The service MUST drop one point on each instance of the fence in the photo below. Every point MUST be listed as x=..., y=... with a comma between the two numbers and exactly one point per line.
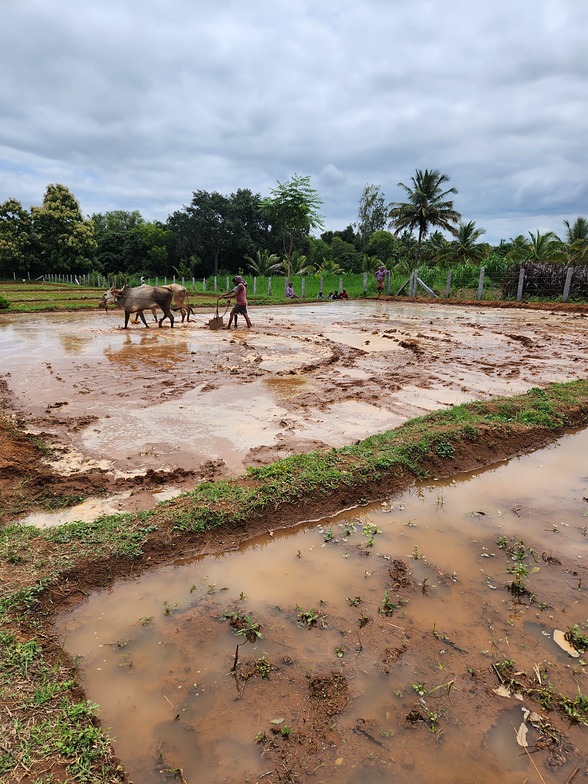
x=467, y=281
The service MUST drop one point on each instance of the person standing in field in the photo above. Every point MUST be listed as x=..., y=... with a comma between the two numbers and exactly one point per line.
x=381, y=273
x=240, y=306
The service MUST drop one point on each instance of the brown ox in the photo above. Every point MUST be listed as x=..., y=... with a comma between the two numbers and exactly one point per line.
x=179, y=301
x=136, y=300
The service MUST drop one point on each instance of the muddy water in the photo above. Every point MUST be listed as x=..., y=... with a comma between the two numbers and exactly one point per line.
x=304, y=377
x=156, y=654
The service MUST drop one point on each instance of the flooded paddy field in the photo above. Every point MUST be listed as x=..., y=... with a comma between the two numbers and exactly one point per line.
x=145, y=411
x=386, y=643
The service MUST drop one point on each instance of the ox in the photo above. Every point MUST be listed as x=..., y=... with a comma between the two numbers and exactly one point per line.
x=136, y=300
x=179, y=301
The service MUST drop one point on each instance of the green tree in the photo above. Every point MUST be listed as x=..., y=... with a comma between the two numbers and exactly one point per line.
x=383, y=245
x=292, y=211
x=427, y=207
x=544, y=247
x=15, y=239
x=577, y=241
x=371, y=213
x=264, y=263
x=63, y=241
x=299, y=265
x=466, y=247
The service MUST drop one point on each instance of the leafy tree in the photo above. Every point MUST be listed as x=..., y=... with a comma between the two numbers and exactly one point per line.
x=15, y=239
x=318, y=250
x=292, y=211
x=299, y=265
x=427, y=206
x=264, y=263
x=466, y=247
x=576, y=231
x=329, y=267
x=544, y=247
x=63, y=241
x=516, y=250
x=372, y=214
x=383, y=245
x=345, y=254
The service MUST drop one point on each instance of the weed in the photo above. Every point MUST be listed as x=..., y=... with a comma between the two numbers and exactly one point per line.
x=387, y=607
x=339, y=651
x=445, y=450
x=420, y=687
x=416, y=554
x=353, y=601
x=264, y=666
x=286, y=731
x=329, y=535
x=363, y=620
x=260, y=737
x=576, y=639
x=307, y=618
x=145, y=620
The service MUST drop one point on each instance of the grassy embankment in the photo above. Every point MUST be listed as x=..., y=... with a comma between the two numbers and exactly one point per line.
x=48, y=729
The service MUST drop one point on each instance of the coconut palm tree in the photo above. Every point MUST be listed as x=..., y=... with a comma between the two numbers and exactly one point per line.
x=297, y=264
x=329, y=267
x=466, y=246
x=544, y=247
x=427, y=206
x=576, y=231
x=264, y=263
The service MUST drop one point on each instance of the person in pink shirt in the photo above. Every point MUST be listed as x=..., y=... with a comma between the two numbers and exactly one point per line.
x=240, y=306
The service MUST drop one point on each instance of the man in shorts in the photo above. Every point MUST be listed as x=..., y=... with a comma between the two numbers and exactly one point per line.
x=240, y=306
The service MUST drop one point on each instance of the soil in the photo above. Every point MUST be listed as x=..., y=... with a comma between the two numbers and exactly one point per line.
x=28, y=481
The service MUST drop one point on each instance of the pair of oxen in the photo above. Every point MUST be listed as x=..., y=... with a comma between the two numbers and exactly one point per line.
x=140, y=298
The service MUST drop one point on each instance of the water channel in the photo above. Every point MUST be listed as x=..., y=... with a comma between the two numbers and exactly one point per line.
x=156, y=653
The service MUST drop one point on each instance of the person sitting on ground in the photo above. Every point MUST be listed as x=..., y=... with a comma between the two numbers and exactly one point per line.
x=240, y=306
x=290, y=291
x=320, y=295
x=330, y=295
x=344, y=294
x=336, y=295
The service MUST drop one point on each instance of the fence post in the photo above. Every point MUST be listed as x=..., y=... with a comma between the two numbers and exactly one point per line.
x=227, y=283
x=387, y=284
x=322, y=285
x=412, y=289
x=193, y=283
x=521, y=284
x=448, y=284
x=364, y=283
x=254, y=286
x=481, y=282
x=203, y=284
x=567, y=284
x=303, y=287
x=215, y=284
x=340, y=284
x=269, y=287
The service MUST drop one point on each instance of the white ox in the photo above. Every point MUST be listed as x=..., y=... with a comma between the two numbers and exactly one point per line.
x=139, y=299
x=179, y=300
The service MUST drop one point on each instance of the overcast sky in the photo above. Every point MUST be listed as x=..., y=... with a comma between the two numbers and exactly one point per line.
x=135, y=104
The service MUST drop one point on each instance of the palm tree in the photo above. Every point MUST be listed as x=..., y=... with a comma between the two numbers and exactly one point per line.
x=427, y=206
x=544, y=247
x=298, y=264
x=577, y=231
x=329, y=267
x=465, y=247
x=264, y=263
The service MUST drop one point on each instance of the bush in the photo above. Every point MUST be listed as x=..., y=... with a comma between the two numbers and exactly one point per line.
x=4, y=303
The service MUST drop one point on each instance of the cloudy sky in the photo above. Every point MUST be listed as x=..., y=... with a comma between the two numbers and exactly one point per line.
x=135, y=104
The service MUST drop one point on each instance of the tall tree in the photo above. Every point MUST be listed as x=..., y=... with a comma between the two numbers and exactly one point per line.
x=15, y=239
x=544, y=247
x=371, y=213
x=427, y=206
x=64, y=242
x=292, y=210
x=576, y=231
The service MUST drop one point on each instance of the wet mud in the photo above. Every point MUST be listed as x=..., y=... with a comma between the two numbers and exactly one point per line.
x=138, y=409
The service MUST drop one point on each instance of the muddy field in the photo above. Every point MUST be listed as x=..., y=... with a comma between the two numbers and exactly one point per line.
x=141, y=411
x=132, y=416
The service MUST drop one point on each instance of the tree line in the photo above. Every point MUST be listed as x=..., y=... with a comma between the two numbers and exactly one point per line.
x=220, y=234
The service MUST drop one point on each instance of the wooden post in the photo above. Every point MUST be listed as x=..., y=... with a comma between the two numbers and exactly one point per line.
x=203, y=284
x=269, y=287
x=448, y=284
x=521, y=284
x=567, y=284
x=340, y=284
x=364, y=283
x=481, y=282
x=254, y=286
x=215, y=283
x=303, y=288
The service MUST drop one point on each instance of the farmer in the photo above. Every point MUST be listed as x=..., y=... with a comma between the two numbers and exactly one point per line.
x=381, y=273
x=290, y=293
x=240, y=306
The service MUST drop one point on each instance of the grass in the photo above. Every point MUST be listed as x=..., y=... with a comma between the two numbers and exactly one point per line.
x=49, y=721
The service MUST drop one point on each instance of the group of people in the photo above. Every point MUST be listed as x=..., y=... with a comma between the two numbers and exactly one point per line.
x=334, y=295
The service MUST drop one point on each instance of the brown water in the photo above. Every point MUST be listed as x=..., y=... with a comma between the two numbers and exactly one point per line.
x=156, y=654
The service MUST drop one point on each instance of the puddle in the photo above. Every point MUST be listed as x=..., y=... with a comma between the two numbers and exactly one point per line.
x=156, y=653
